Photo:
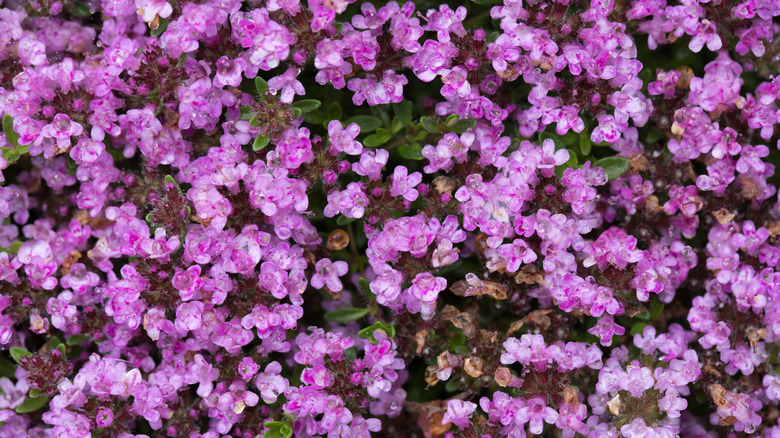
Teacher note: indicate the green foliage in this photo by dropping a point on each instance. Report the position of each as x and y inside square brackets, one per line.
[410, 151]
[277, 429]
[366, 123]
[379, 138]
[613, 166]
[346, 314]
[307, 105]
[429, 124]
[12, 154]
[261, 86]
[17, 353]
[161, 27]
[76, 339]
[368, 332]
[32, 404]
[261, 141]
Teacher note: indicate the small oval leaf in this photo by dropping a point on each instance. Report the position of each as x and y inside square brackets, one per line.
[613, 166]
[346, 314]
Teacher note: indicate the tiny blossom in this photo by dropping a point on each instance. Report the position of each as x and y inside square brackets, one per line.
[328, 273]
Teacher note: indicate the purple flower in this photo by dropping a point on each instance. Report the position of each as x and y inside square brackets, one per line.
[327, 273]
[404, 184]
[536, 413]
[343, 139]
[288, 84]
[605, 329]
[458, 412]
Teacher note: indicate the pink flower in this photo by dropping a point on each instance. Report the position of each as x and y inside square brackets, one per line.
[458, 412]
[149, 9]
[403, 183]
[343, 139]
[327, 273]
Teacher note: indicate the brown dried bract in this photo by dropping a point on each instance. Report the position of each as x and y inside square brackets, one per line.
[473, 366]
[421, 338]
[503, 377]
[615, 405]
[718, 392]
[462, 320]
[638, 162]
[538, 318]
[430, 375]
[444, 184]
[481, 243]
[774, 229]
[755, 336]
[477, 287]
[337, 239]
[510, 74]
[96, 223]
[529, 275]
[652, 205]
[749, 189]
[686, 74]
[723, 216]
[429, 420]
[69, 261]
[570, 395]
[205, 222]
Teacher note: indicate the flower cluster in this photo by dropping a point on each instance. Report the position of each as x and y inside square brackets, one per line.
[227, 218]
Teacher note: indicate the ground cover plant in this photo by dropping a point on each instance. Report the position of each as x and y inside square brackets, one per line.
[227, 218]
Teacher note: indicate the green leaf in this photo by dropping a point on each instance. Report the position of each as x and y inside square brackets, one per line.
[307, 105]
[160, 28]
[429, 124]
[32, 404]
[277, 429]
[76, 339]
[365, 286]
[656, 308]
[570, 138]
[12, 248]
[81, 9]
[379, 138]
[637, 328]
[297, 112]
[246, 113]
[463, 125]
[315, 117]
[8, 130]
[169, 181]
[55, 342]
[585, 144]
[261, 86]
[17, 353]
[403, 110]
[343, 220]
[653, 136]
[335, 111]
[555, 138]
[367, 123]
[368, 332]
[613, 166]
[346, 314]
[261, 141]
[572, 162]
[254, 121]
[410, 151]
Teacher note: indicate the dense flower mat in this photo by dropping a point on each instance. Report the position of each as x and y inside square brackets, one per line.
[348, 219]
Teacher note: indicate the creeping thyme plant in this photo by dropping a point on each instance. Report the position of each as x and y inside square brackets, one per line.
[340, 218]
